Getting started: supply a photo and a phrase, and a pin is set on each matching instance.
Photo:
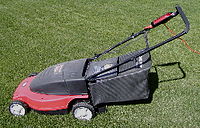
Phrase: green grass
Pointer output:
(35, 34)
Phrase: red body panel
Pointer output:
(42, 102)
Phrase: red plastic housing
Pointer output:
(42, 102)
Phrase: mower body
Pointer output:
(57, 86)
(54, 88)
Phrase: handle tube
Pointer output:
(184, 18)
(168, 16)
(118, 44)
(144, 51)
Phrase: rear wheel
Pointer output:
(83, 111)
(18, 108)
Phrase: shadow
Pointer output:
(56, 112)
(153, 85)
(168, 65)
(154, 81)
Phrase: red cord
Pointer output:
(182, 40)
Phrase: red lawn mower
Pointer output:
(85, 85)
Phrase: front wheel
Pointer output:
(18, 108)
(83, 111)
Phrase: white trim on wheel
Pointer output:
(83, 113)
(17, 110)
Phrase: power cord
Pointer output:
(182, 40)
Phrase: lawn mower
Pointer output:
(85, 86)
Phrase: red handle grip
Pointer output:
(161, 20)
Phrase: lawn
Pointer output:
(35, 34)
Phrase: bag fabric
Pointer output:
(126, 86)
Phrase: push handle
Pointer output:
(184, 18)
(161, 20)
(165, 18)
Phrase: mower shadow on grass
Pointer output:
(154, 80)
(171, 67)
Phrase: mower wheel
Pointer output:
(83, 111)
(18, 108)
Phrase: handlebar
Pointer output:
(184, 18)
(161, 20)
(168, 16)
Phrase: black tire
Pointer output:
(101, 109)
(18, 108)
(83, 111)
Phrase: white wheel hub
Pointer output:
(83, 113)
(17, 109)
